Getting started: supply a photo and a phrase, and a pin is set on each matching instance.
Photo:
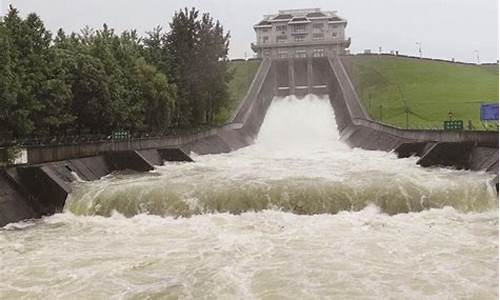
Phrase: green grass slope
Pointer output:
(243, 73)
(389, 86)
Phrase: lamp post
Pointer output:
(420, 49)
(407, 111)
(476, 52)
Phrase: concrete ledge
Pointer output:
(358, 130)
(127, 160)
(411, 149)
(152, 156)
(46, 186)
(174, 154)
(483, 158)
(14, 205)
(370, 139)
(493, 168)
(48, 190)
(448, 154)
(87, 168)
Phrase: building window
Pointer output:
(265, 39)
(300, 38)
(318, 52)
(318, 27)
(299, 28)
(334, 34)
(332, 26)
(267, 53)
(281, 38)
(265, 29)
(282, 54)
(281, 27)
(318, 36)
(300, 53)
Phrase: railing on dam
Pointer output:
(358, 117)
(40, 150)
(92, 138)
(328, 74)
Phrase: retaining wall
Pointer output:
(358, 130)
(41, 187)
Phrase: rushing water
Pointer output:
(298, 215)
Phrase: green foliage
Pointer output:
(429, 90)
(9, 154)
(198, 51)
(158, 94)
(98, 81)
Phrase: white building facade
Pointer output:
(301, 33)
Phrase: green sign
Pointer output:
(120, 135)
(454, 125)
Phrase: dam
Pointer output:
(42, 186)
(298, 214)
(299, 195)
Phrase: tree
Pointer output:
(28, 42)
(98, 81)
(56, 96)
(212, 50)
(9, 85)
(155, 50)
(181, 43)
(198, 49)
(91, 95)
(158, 95)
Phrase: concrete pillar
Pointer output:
(274, 69)
(46, 186)
(454, 154)
(291, 76)
(129, 159)
(309, 75)
(174, 154)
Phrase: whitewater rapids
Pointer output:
(297, 215)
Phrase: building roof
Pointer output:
(299, 15)
(264, 23)
(315, 15)
(283, 17)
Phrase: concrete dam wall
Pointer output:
(41, 187)
(475, 150)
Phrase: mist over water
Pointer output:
(297, 215)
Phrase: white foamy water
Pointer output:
(298, 215)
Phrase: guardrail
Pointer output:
(89, 138)
(359, 117)
(425, 58)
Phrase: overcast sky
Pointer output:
(446, 28)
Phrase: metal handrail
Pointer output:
(78, 139)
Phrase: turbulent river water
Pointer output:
(297, 215)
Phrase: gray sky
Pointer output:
(446, 28)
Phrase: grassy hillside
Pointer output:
(243, 73)
(389, 86)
